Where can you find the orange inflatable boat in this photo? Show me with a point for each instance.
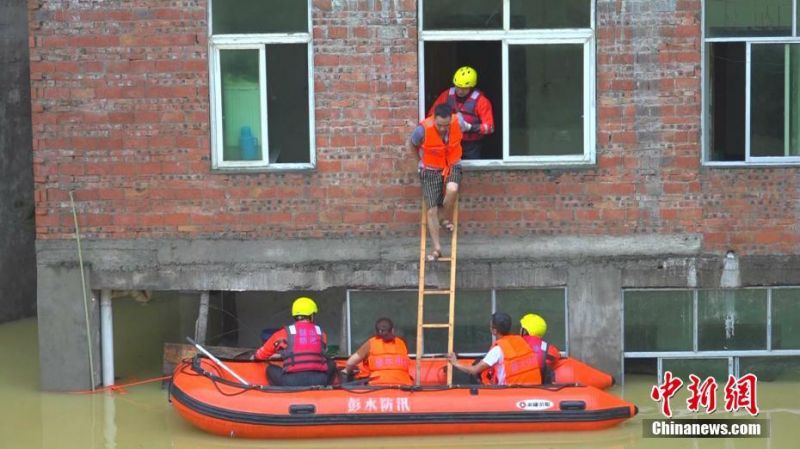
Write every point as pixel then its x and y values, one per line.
pixel 211 399
pixel 566 370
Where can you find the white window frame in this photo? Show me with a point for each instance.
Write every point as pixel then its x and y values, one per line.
pixel 507 37
pixel 255 42
pixel 705 117
pixel 732 355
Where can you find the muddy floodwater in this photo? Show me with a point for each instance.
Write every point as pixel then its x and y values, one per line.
pixel 141 417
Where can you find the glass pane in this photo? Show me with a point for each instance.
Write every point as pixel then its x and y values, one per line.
pixel 367 306
pixel 546 99
pixel 658 320
pixel 287 103
pixel 785 318
pixel 241 105
pixel 259 16
pixel 770 369
pixel 547 302
pixel 473 311
pixel 774 100
pixel 732 319
pixel 551 13
pixel 462 14
pixel 747 18
pixel 702 368
pixel 726 102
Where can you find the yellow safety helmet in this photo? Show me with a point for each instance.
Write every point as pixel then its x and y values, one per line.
pixel 465 77
pixel 534 324
pixel 304 306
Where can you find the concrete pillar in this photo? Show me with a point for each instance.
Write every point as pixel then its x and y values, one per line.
pixel 63 351
pixel 595 309
pixel 201 326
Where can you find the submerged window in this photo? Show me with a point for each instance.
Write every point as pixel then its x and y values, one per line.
pixel 535 62
pixel 261 94
pixel 752 81
pixel 473 312
pixel 713 332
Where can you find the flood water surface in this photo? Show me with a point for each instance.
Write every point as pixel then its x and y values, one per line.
pixel 141 417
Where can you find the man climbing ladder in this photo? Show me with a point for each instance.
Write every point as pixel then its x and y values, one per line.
pixel 437 142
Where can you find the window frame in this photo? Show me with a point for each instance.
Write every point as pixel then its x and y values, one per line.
pixel 705 116
pixel 493 291
pixel 732 355
pixel 508 36
pixel 257 41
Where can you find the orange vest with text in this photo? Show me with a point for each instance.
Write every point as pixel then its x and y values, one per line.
pixel 436 154
pixel 388 362
pixel 519 361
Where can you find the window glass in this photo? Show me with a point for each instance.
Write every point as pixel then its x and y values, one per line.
pixel 748 18
pixel 462 14
pixel 367 306
pixel 726 100
pixel 473 311
pixel 259 16
pixel 771 369
pixel 287 102
pixel 546 99
pixel 551 13
pixel 732 319
pixel 774 100
pixel 786 318
pixel 548 303
pixel 241 105
pixel 658 320
pixel 702 368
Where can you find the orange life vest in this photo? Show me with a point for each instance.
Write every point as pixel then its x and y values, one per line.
pixel 388 362
pixel 436 154
pixel 519 361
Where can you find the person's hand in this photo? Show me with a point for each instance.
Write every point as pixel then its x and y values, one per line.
pixel 452 358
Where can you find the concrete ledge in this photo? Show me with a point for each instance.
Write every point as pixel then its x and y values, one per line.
pixel 319 264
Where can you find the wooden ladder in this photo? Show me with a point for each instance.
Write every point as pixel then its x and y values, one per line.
pixel 423 292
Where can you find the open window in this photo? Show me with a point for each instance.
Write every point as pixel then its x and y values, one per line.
pixel 535 62
pixel 261 90
pixel 752 82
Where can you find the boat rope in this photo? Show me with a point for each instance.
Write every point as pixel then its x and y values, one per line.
pixel 120 388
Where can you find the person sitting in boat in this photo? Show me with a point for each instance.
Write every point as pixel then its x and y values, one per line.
pixel 511 359
pixel 302 347
pixel 533 328
pixel 385 356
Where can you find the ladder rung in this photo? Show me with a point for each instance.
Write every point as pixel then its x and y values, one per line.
pixel 436 325
pixel 441 259
pixel 436 292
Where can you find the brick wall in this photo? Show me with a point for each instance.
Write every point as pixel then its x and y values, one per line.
pixel 120 100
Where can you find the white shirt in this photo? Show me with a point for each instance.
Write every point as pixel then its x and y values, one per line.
pixel 495 357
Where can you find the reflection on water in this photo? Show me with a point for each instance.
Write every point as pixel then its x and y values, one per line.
pixel 141 417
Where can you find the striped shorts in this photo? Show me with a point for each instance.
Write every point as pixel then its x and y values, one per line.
pixel 433 184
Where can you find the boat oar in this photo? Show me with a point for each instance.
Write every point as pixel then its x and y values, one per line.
pixel 217 361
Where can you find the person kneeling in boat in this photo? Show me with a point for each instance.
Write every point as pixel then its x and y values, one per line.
pixel 511 359
pixel 533 328
pixel 302 347
pixel 385 355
